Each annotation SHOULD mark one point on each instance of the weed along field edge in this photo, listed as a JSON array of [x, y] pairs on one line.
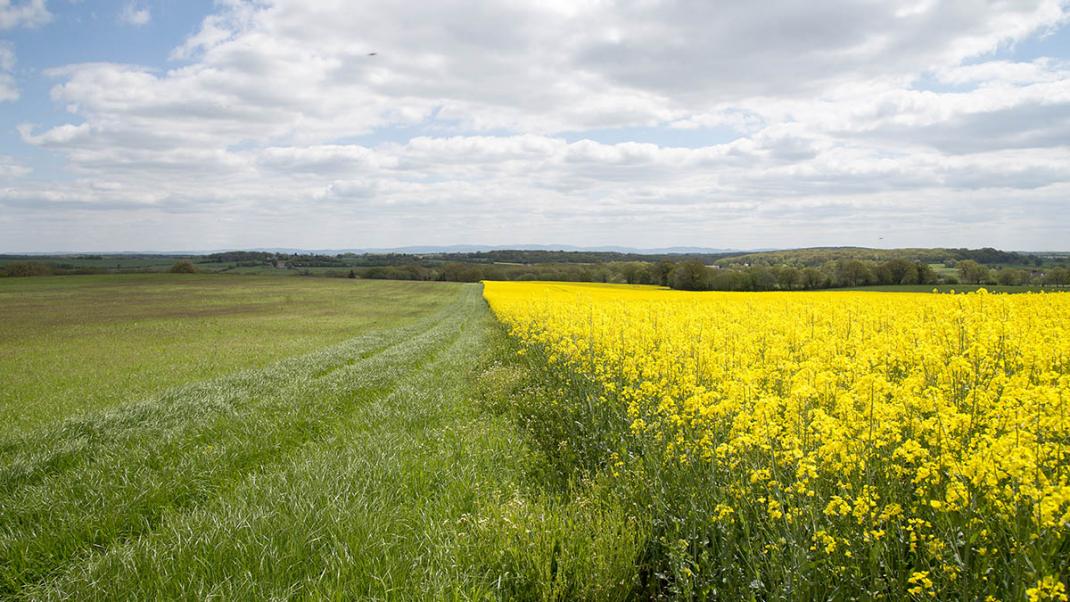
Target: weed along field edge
[[194, 437]]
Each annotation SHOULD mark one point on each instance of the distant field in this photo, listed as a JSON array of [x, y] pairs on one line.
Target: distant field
[[76, 343]]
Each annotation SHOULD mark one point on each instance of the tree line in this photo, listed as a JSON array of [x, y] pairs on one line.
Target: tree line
[[801, 269], [853, 273], [694, 275]]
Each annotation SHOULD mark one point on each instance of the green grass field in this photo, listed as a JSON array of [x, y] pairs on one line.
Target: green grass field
[[77, 343], [175, 437]]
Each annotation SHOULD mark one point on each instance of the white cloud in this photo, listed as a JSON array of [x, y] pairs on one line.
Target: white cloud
[[29, 13], [829, 104], [135, 14], [1004, 72], [9, 90], [11, 168], [534, 68], [7, 56]]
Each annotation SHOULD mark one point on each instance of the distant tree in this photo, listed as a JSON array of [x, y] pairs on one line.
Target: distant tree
[[631, 272], [462, 272], [972, 272], [689, 276], [1012, 277], [926, 274], [813, 278], [988, 255], [183, 267], [897, 271], [853, 273], [661, 271], [728, 280], [26, 268], [761, 278], [601, 274], [788, 278], [352, 274], [1057, 276], [647, 274]]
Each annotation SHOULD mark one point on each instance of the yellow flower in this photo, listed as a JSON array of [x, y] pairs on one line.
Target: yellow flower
[[921, 584], [723, 512], [1047, 589], [864, 416]]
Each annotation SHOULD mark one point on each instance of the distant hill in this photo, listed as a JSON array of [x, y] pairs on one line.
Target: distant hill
[[449, 249], [816, 256], [678, 267]]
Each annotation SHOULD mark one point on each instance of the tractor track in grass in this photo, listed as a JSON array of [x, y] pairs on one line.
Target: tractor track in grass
[[325, 517]]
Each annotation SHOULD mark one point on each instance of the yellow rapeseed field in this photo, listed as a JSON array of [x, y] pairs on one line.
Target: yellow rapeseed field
[[844, 444]]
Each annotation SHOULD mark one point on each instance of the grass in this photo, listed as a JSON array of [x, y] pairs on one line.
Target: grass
[[72, 344], [376, 460]]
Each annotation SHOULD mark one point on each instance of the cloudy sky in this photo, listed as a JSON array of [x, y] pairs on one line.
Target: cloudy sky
[[190, 124]]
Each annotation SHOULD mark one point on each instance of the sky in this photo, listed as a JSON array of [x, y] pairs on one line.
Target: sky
[[154, 125]]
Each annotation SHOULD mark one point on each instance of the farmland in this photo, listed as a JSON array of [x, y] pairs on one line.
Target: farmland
[[816, 445], [87, 342], [251, 482], [184, 436]]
